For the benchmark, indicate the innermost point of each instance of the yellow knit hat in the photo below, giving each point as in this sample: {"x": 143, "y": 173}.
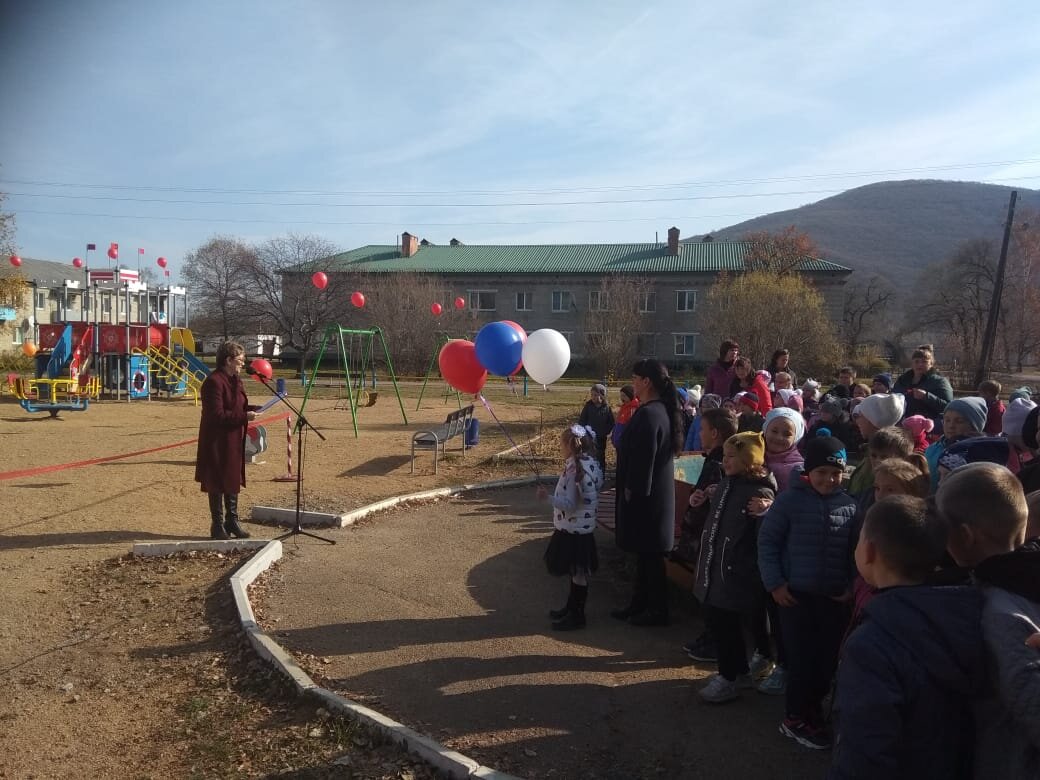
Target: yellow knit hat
{"x": 749, "y": 447}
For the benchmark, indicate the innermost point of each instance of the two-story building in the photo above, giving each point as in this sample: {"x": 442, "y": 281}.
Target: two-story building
{"x": 556, "y": 285}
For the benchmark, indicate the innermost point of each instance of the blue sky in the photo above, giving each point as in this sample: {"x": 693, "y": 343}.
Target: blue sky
{"x": 168, "y": 123}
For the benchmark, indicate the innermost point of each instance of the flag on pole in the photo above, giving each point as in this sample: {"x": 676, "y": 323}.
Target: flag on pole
{"x": 167, "y": 273}
{"x": 91, "y": 246}
{"x": 140, "y": 251}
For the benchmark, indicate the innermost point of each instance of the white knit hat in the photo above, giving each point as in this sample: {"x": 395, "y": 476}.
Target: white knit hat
{"x": 1015, "y": 415}
{"x": 882, "y": 409}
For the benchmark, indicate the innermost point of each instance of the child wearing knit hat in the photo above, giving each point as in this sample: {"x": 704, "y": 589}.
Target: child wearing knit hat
{"x": 727, "y": 581}
{"x": 804, "y": 551}
{"x": 748, "y": 405}
{"x": 963, "y": 418}
{"x": 919, "y": 428}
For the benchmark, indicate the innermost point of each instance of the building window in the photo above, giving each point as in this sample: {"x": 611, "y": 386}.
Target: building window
{"x": 685, "y": 300}
{"x": 648, "y": 303}
{"x": 18, "y": 336}
{"x": 524, "y": 301}
{"x": 685, "y": 344}
{"x": 569, "y": 335}
{"x": 106, "y": 304}
{"x": 41, "y": 299}
{"x": 482, "y": 300}
{"x": 599, "y": 301}
{"x": 646, "y": 344}
{"x": 562, "y": 301}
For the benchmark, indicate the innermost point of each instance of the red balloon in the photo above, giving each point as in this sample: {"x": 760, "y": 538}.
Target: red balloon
{"x": 161, "y": 262}
{"x": 460, "y": 303}
{"x": 16, "y": 261}
{"x": 113, "y": 251}
{"x": 523, "y": 340}
{"x": 436, "y": 308}
{"x": 460, "y": 367}
{"x": 358, "y": 299}
{"x": 77, "y": 262}
{"x": 262, "y": 368}
{"x": 320, "y": 280}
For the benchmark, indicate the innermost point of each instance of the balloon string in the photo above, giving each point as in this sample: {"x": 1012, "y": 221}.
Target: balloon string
{"x": 523, "y": 455}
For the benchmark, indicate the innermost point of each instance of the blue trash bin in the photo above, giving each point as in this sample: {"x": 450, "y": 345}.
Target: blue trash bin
{"x": 472, "y": 432}
{"x": 279, "y": 385}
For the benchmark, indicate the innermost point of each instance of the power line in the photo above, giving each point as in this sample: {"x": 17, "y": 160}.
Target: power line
{"x": 549, "y": 190}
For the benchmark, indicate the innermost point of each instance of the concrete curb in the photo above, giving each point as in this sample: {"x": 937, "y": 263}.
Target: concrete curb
{"x": 271, "y": 514}
{"x": 451, "y": 762}
{"x": 146, "y": 549}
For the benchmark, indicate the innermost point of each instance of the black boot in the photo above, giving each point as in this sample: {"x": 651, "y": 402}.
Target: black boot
{"x": 216, "y": 527}
{"x": 576, "y": 617}
{"x": 231, "y": 520}
{"x": 556, "y": 614}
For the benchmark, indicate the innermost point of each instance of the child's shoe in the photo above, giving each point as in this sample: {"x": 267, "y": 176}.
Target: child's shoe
{"x": 805, "y": 734}
{"x": 719, "y": 690}
{"x": 702, "y": 648}
{"x": 759, "y": 664}
{"x": 776, "y": 683}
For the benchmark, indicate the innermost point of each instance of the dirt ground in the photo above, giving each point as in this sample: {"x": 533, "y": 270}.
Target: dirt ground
{"x": 133, "y": 668}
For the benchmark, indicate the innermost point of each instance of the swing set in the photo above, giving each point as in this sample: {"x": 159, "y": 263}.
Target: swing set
{"x": 356, "y": 352}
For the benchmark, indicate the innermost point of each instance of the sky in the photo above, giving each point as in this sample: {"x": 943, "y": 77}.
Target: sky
{"x": 161, "y": 125}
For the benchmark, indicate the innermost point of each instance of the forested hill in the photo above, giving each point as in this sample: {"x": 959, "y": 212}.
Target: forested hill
{"x": 896, "y": 228}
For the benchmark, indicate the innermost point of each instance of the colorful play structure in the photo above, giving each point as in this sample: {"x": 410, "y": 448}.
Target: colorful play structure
{"x": 79, "y": 361}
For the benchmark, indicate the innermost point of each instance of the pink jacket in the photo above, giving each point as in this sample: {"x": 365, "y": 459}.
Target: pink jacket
{"x": 782, "y": 464}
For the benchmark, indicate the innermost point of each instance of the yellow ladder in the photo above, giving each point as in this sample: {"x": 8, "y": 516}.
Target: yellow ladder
{"x": 166, "y": 368}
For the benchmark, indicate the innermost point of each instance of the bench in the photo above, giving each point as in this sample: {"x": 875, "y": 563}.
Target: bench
{"x": 435, "y": 439}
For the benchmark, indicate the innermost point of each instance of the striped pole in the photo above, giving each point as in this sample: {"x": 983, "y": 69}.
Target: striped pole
{"x": 288, "y": 476}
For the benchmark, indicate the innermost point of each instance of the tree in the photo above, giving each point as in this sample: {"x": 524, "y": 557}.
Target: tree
{"x": 400, "y": 303}
{"x": 865, "y": 305}
{"x": 767, "y": 309}
{"x": 781, "y": 253}
{"x": 7, "y": 230}
{"x": 215, "y": 276}
{"x": 612, "y": 330}
{"x": 1018, "y": 338}
{"x": 288, "y": 303}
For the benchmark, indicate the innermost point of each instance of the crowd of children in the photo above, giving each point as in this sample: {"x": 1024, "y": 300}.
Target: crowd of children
{"x": 898, "y": 611}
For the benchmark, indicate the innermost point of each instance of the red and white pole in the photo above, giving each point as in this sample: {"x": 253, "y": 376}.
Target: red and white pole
{"x": 288, "y": 476}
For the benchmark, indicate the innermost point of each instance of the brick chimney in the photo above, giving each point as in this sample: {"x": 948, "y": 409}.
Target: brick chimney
{"x": 409, "y": 244}
{"x": 673, "y": 241}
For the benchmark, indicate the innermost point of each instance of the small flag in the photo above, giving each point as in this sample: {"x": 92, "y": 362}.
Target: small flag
{"x": 91, "y": 246}
{"x": 140, "y": 251}
{"x": 167, "y": 273}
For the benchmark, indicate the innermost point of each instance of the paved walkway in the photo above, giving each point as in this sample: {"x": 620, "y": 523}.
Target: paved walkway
{"x": 436, "y": 615}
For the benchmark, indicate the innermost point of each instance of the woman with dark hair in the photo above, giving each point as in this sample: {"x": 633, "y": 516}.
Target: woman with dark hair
{"x": 782, "y": 362}
{"x": 220, "y": 465}
{"x": 745, "y": 380}
{"x": 720, "y": 373}
{"x": 645, "y": 508}
{"x": 927, "y": 392}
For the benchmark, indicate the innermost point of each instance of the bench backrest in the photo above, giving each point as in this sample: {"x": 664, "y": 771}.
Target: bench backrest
{"x": 456, "y": 421}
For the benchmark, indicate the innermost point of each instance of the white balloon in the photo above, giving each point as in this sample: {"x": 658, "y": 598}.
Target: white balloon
{"x": 546, "y": 355}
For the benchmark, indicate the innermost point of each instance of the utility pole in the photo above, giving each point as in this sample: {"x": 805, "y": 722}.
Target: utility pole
{"x": 998, "y": 294}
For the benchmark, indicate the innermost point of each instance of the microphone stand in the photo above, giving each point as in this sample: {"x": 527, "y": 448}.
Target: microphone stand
{"x": 300, "y": 430}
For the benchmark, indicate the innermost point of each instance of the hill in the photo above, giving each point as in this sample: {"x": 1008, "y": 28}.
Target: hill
{"x": 896, "y": 228}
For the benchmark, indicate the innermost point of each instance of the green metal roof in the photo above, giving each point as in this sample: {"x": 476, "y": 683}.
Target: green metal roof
{"x": 697, "y": 257}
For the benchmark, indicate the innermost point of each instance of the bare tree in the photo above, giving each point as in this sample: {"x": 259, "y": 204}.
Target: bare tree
{"x": 400, "y": 304}
{"x": 612, "y": 328}
{"x": 280, "y": 298}
{"x": 865, "y": 304}
{"x": 215, "y": 276}
{"x": 765, "y": 310}
{"x": 781, "y": 253}
{"x": 7, "y": 230}
{"x": 1019, "y": 335}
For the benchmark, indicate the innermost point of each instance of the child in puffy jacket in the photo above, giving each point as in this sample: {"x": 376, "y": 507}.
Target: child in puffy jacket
{"x": 805, "y": 555}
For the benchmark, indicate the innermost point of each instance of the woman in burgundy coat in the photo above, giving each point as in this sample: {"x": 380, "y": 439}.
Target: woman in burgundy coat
{"x": 220, "y": 466}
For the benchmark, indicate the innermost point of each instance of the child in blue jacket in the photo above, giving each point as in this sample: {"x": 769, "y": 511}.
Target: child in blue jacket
{"x": 805, "y": 555}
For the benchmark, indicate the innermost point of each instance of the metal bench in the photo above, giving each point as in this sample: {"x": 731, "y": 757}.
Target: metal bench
{"x": 436, "y": 438}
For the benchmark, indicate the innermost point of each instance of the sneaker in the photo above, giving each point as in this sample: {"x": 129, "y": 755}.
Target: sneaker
{"x": 702, "y": 649}
{"x": 759, "y": 664}
{"x": 804, "y": 734}
{"x": 776, "y": 683}
{"x": 719, "y": 690}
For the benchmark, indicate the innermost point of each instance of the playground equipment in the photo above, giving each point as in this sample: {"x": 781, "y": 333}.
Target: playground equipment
{"x": 357, "y": 358}
{"x": 442, "y": 339}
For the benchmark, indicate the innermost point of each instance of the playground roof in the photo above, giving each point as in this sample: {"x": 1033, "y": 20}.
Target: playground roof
{"x": 694, "y": 257}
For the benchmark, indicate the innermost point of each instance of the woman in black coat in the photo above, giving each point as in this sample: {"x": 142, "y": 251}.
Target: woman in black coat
{"x": 645, "y": 508}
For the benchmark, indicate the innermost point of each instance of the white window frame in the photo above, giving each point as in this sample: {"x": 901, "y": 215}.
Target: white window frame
{"x": 41, "y": 299}
{"x": 652, "y": 352}
{"x": 564, "y": 295}
{"x": 684, "y": 336}
{"x": 474, "y": 300}
{"x": 648, "y": 302}
{"x": 17, "y": 335}
{"x": 528, "y": 301}
{"x": 596, "y": 302}
{"x": 683, "y": 302}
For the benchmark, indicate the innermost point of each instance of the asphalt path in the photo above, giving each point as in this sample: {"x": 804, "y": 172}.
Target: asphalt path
{"x": 436, "y": 616}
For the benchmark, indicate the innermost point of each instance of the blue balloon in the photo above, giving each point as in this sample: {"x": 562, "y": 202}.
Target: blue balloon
{"x": 499, "y": 348}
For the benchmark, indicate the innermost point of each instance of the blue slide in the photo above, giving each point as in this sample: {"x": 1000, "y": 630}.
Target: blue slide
{"x": 197, "y": 367}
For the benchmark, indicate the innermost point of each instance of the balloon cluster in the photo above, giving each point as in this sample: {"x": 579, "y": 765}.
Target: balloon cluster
{"x": 503, "y": 348}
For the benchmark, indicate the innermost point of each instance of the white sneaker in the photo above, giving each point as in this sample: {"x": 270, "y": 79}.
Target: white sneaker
{"x": 719, "y": 690}
{"x": 759, "y": 664}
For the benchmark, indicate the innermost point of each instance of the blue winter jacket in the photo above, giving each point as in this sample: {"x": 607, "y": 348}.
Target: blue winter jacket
{"x": 906, "y": 684}
{"x": 807, "y": 540}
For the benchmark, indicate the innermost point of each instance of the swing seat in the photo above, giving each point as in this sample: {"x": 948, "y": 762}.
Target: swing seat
{"x": 372, "y": 396}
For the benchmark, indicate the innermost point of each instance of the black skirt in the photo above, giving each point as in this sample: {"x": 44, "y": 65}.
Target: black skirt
{"x": 570, "y": 554}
